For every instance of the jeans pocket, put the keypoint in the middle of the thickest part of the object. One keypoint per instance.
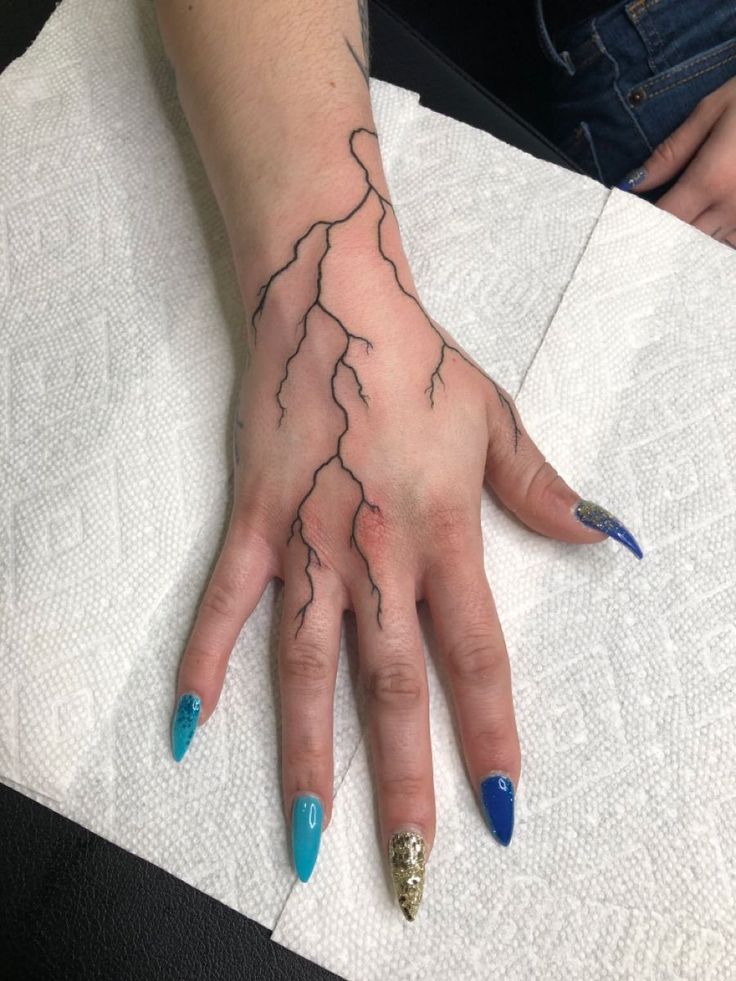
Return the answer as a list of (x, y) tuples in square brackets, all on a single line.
[(579, 145), (663, 101)]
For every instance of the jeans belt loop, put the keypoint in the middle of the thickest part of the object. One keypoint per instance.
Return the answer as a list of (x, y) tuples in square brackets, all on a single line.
[(561, 59)]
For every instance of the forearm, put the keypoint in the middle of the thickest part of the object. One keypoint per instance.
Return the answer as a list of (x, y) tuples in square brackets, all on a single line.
[(271, 90)]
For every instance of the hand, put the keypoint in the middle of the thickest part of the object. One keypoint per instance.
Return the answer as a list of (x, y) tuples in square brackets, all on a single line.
[(705, 194), (363, 436)]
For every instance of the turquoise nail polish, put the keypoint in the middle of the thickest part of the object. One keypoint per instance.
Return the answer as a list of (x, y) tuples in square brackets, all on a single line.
[(632, 179), (184, 723), (497, 794), (594, 516), (306, 831)]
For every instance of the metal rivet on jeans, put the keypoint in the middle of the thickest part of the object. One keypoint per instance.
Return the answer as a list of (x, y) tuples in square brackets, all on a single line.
[(636, 97)]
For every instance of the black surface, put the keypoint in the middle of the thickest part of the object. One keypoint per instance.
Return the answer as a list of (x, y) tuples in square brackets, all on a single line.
[(493, 41), (20, 22), (400, 54), (74, 906)]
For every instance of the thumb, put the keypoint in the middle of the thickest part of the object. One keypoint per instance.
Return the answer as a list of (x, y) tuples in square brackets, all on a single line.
[(533, 490), (674, 152)]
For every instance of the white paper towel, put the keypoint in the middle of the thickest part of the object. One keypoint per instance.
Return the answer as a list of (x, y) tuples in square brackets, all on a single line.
[(120, 354), (622, 863)]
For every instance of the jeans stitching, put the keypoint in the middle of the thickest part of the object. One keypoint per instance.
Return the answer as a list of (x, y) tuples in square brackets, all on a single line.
[(548, 46), (651, 87), (593, 57), (616, 87)]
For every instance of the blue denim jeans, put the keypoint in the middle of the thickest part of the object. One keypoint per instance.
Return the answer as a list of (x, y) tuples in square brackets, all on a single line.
[(623, 80)]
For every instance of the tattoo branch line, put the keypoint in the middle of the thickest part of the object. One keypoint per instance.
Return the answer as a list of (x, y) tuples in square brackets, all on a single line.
[(337, 455), (328, 225), (238, 425), (365, 64), (358, 62), (364, 502), (350, 337), (437, 374)]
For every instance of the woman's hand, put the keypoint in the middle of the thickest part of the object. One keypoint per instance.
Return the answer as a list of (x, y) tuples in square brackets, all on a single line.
[(705, 144), (363, 436)]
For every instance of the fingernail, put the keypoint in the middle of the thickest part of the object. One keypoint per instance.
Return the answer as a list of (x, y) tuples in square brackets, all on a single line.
[(184, 723), (632, 179), (407, 862), (594, 516), (306, 831), (497, 794)]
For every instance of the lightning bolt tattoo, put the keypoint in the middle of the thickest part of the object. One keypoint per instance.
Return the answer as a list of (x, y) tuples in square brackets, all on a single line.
[(322, 229)]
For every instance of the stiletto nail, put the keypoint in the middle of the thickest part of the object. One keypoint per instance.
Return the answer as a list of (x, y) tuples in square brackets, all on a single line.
[(595, 516), (306, 831), (407, 862), (497, 794), (632, 179), (184, 723)]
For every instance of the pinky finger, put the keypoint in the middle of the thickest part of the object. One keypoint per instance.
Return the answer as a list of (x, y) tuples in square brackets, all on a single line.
[(244, 567)]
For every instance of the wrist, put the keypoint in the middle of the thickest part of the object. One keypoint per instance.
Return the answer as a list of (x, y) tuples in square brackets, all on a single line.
[(334, 219)]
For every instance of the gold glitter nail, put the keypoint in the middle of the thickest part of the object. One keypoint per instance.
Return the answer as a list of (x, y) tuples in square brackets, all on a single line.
[(406, 858)]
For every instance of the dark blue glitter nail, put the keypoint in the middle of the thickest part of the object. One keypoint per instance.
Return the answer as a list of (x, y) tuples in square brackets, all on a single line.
[(595, 516), (184, 724), (497, 794), (633, 179)]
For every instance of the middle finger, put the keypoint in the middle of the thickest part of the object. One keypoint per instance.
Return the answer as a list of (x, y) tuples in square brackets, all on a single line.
[(394, 679)]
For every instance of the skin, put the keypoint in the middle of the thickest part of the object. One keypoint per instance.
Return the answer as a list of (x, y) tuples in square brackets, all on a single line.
[(387, 514), (702, 148)]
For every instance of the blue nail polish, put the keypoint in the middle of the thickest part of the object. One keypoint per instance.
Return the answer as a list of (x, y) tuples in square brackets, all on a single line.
[(184, 723), (306, 831), (595, 516), (497, 794), (632, 179)]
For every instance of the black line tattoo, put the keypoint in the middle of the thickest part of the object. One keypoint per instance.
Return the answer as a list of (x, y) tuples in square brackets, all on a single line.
[(363, 64), (358, 62), (326, 227), (238, 425)]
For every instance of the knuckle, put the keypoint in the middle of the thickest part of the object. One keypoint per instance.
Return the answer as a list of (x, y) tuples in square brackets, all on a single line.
[(306, 662), (203, 659), (666, 151), (397, 684), (307, 756), (406, 788), (448, 521), (497, 741), (718, 183), (374, 530), (220, 600), (474, 660), (254, 529), (541, 481)]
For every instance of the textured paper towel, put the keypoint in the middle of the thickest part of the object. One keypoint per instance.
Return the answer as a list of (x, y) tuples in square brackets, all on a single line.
[(622, 863), (119, 356)]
